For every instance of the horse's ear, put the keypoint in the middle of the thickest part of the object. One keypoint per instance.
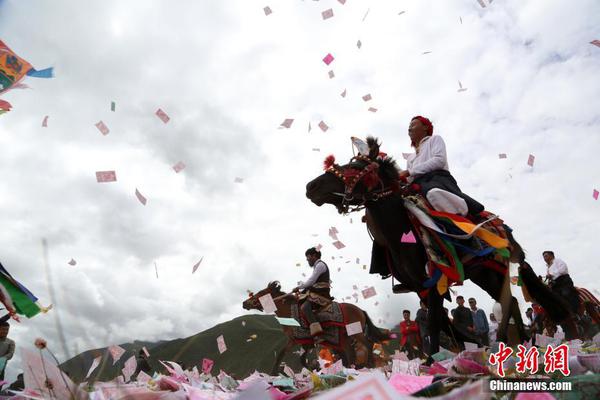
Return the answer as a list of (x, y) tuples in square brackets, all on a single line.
[(373, 147)]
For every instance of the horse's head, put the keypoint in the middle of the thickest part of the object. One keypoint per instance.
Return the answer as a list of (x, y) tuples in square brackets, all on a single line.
[(252, 302), (366, 178)]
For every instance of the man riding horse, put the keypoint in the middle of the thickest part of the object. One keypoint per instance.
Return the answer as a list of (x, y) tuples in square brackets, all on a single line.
[(316, 289), (427, 169), (559, 279)]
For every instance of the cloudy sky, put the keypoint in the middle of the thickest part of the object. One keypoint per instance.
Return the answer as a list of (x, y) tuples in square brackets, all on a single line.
[(228, 75)]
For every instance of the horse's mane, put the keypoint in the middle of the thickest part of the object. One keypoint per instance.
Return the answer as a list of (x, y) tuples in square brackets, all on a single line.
[(388, 168)]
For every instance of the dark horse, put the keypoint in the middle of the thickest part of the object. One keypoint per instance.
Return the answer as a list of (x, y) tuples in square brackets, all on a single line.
[(356, 349), (372, 182)]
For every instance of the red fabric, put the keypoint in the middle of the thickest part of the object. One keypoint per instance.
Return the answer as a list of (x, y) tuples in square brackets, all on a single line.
[(406, 329), (426, 122), (329, 161)]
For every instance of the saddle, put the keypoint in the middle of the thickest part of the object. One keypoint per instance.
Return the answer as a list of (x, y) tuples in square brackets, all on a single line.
[(450, 241), (331, 318)]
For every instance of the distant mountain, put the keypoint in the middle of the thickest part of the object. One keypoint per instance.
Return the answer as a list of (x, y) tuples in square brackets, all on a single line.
[(241, 358)]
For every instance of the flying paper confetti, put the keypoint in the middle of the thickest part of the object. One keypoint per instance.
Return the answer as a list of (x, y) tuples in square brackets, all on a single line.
[(102, 128), (502, 155), (331, 74), (595, 42), (460, 18), (129, 368), (342, 2), (530, 160), (309, 127), (116, 353), (408, 238), (460, 87), (140, 197), (401, 12), (359, 44), (338, 245), (367, 97), (368, 292), (327, 14), (179, 167), (113, 106), (319, 247), (238, 180), (221, 344), (106, 176), (328, 59), (45, 122), (595, 194), (316, 149), (481, 3), (343, 94), (94, 365), (427, 52), (267, 10), (323, 126), (267, 303), (367, 13), (287, 123), (333, 233), (207, 365), (354, 328), (145, 350), (372, 109), (195, 267), (72, 262), (162, 115)]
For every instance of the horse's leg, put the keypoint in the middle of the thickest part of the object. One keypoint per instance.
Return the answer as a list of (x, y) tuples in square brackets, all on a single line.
[(282, 354), (304, 356), (434, 320)]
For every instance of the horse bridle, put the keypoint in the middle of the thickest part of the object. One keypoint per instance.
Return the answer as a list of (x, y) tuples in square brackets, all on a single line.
[(350, 184)]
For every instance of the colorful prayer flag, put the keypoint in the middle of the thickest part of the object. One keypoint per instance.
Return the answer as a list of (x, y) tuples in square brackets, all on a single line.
[(17, 298)]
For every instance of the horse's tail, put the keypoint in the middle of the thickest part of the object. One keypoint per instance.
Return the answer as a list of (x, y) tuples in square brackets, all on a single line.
[(585, 296), (372, 332), (556, 307)]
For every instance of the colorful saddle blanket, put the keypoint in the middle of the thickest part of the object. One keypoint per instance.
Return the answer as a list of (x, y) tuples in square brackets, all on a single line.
[(331, 319), (451, 240)]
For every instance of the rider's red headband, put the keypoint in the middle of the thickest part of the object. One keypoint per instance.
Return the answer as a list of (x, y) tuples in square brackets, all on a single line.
[(425, 122)]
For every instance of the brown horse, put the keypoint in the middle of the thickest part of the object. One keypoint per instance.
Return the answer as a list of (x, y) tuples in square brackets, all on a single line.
[(353, 350), (372, 182)]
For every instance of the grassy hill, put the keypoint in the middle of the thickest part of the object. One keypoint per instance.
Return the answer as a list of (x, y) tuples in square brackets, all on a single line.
[(240, 360)]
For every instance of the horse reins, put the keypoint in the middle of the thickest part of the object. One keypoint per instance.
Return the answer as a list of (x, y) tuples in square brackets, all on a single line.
[(351, 182)]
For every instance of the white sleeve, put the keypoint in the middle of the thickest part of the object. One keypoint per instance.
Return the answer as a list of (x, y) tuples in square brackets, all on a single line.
[(437, 161), (317, 271)]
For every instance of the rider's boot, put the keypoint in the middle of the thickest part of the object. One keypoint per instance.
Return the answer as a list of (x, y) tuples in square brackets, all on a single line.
[(315, 327)]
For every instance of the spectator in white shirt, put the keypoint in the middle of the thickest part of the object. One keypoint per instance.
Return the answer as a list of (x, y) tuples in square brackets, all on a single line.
[(560, 280), (428, 167)]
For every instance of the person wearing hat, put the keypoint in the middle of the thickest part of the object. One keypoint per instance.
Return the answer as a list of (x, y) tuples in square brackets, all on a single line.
[(560, 280), (428, 168)]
